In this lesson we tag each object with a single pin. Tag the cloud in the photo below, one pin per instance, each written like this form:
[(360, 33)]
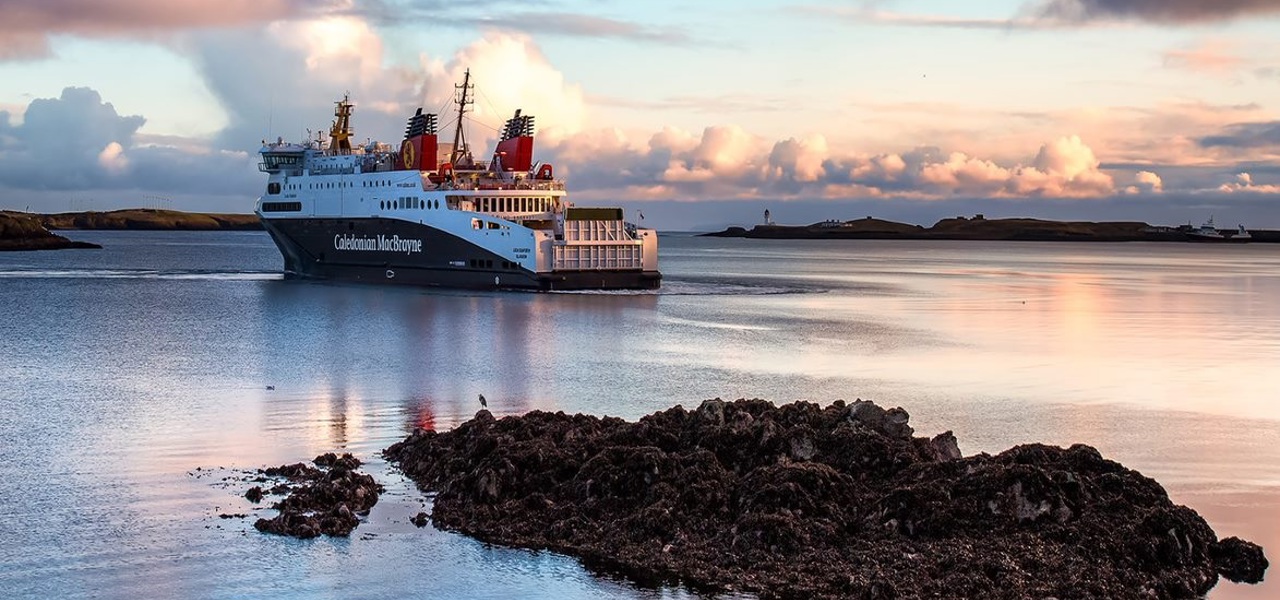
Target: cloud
[(1245, 135), (1149, 181), (883, 17), (25, 27), (580, 25), (728, 162), (1049, 15), (79, 142), (71, 141), (1244, 184), (112, 158), (1155, 11), (1145, 182), (289, 75), (1214, 57)]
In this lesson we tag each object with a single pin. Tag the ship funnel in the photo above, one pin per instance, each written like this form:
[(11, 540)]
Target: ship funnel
[(420, 147), (515, 150)]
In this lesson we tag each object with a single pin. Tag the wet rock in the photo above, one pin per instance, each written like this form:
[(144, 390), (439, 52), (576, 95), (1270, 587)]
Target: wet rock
[(331, 460), (944, 447), (1239, 561), (817, 502), (254, 494), (420, 519), (319, 502)]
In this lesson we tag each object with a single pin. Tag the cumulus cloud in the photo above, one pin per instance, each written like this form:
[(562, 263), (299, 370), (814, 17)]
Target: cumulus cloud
[(78, 142), (112, 158), (728, 162), (25, 27), (1244, 184), (71, 141), (1145, 182), (1156, 11), (798, 161), (289, 75), (1064, 168), (1149, 181)]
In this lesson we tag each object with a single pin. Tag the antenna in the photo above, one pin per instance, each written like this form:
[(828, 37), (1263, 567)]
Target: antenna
[(459, 139)]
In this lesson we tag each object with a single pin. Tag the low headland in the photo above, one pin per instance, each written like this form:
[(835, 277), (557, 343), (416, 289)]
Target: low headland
[(150, 219), (31, 231), (803, 501), (980, 228), (21, 231)]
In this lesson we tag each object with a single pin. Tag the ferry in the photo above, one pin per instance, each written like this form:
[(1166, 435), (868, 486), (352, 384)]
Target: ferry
[(1208, 232), (426, 213)]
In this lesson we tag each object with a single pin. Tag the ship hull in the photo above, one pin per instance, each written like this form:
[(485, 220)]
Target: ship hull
[(407, 253)]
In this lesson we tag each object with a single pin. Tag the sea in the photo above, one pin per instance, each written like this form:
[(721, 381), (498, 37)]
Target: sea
[(140, 383)]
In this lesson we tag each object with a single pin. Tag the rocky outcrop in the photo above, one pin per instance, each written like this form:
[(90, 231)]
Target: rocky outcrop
[(320, 501), (804, 501), (20, 231)]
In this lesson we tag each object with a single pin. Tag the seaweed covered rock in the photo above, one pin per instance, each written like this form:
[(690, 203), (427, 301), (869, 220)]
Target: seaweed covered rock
[(805, 501), (320, 501)]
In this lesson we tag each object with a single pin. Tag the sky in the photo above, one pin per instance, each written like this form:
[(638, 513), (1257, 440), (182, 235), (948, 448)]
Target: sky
[(698, 114)]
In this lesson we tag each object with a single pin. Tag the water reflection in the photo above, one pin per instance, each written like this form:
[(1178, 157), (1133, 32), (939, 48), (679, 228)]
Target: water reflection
[(439, 348), (1164, 358)]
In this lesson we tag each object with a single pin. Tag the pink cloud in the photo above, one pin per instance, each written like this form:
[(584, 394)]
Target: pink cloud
[(1244, 184), (26, 26)]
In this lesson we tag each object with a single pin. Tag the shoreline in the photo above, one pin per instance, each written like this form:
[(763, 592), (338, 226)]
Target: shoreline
[(144, 219), (24, 233), (979, 228)]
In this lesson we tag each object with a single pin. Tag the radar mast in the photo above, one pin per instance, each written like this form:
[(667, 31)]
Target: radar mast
[(459, 138)]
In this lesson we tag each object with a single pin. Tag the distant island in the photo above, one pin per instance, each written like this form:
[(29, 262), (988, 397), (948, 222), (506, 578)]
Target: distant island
[(31, 231), (149, 219), (980, 228), (21, 231)]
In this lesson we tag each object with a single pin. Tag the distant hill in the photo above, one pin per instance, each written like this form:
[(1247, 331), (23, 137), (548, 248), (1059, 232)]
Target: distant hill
[(150, 219), (22, 231), (979, 228)]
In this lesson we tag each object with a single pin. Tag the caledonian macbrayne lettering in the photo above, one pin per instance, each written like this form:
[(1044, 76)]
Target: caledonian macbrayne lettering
[(381, 243)]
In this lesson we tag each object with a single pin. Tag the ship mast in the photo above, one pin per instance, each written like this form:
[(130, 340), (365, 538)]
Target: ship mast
[(459, 139), (340, 133)]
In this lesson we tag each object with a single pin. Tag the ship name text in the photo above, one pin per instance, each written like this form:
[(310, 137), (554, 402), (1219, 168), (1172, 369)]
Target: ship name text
[(380, 243)]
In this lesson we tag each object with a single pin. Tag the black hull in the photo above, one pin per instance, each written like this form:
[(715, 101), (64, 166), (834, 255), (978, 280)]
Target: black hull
[(1200, 239), (444, 260)]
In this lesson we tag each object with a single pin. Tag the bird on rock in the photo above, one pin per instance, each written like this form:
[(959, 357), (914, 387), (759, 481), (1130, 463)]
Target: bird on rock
[(482, 401)]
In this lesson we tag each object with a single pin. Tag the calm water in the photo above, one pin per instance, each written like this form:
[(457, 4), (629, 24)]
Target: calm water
[(133, 380)]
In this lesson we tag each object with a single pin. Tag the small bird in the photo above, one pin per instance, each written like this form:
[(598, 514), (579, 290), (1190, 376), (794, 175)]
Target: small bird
[(482, 401), (271, 387)]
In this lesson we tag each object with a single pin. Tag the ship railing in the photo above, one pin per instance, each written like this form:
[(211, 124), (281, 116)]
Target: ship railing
[(546, 186), (597, 257)]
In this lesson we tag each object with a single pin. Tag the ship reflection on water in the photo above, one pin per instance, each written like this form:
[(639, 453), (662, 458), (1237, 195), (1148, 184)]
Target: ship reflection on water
[(438, 351)]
